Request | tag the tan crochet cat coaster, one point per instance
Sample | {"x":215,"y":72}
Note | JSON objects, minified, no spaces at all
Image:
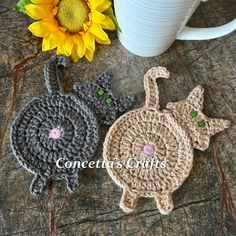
{"x":164,"y":138}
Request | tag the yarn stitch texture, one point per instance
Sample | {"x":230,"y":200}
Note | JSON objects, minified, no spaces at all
{"x":105,"y":113}
{"x":169,"y":135}
{"x":59,"y":125}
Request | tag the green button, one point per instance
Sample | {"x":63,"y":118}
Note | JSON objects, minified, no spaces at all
{"x":101,"y":92}
{"x":108,"y":101}
{"x":201,"y":123}
{"x":193,"y":114}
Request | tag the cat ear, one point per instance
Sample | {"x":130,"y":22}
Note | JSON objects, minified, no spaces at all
{"x":77,"y":87}
{"x":104,"y":79}
{"x":196,"y":97}
{"x":124,"y":103}
{"x":217,"y":125}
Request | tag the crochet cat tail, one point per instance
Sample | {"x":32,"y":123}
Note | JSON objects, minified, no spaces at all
{"x":150,"y":85}
{"x":51,"y":72}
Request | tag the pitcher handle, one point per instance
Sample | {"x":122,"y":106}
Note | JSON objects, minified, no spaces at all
{"x":191,"y":33}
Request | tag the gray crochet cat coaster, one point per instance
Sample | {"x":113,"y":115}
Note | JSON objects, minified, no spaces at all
{"x":60,"y":127}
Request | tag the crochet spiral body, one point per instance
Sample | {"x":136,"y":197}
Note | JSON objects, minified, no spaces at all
{"x":36,"y":150}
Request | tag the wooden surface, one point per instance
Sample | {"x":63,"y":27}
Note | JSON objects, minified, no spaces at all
{"x":203,"y":205}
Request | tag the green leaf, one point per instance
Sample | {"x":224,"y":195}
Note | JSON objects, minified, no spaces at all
{"x":20,"y":6}
{"x":110,"y":13}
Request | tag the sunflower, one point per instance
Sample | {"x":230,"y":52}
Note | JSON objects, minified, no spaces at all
{"x":71,"y":26}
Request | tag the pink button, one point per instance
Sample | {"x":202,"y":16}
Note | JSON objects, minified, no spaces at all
{"x":55,"y":133}
{"x":148,"y":149}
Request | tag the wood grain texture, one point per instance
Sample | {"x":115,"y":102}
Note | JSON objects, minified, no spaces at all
{"x":204,"y":205}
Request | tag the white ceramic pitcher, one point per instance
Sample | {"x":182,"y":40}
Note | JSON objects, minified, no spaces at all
{"x":149,"y":27}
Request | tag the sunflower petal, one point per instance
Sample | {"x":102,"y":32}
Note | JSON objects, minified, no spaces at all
{"x":41,"y":1}
{"x":108,"y":23}
{"x":45,"y":44}
{"x":97,"y":31}
{"x":107,"y":41}
{"x":49,"y":42}
{"x":85,"y":27}
{"x":68,"y":45}
{"x":109,"y":12}
{"x":103,"y":7}
{"x":89,"y":41}
{"x":60,"y":50}
{"x":89,"y":55}
{"x":75,"y":57}
{"x":42,"y":28}
{"x":37,"y":29}
{"x":60,"y":36}
{"x":50,"y":2}
{"x":79,"y":45}
{"x":38,"y":12}
{"x":55,"y":2}
{"x":97,"y":17}
{"x":95,"y":3}
{"x":54,"y":41}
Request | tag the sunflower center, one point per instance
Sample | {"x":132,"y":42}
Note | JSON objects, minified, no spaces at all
{"x":72,"y":14}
